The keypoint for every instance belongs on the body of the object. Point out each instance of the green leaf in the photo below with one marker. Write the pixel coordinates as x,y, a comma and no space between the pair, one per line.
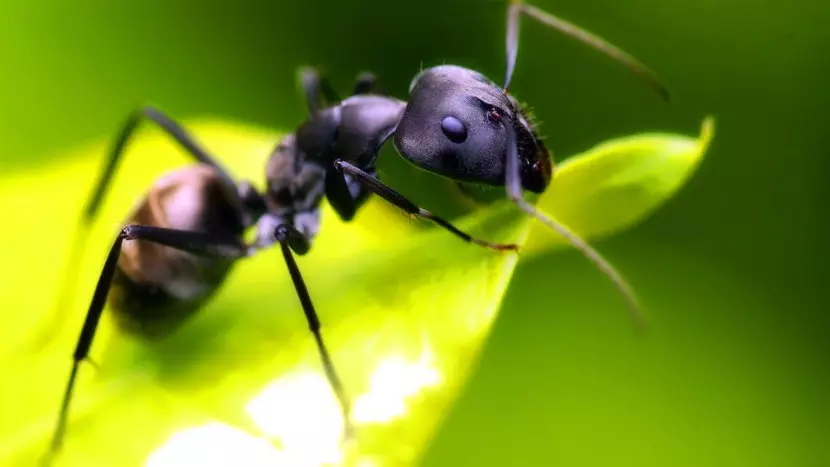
405,312
618,183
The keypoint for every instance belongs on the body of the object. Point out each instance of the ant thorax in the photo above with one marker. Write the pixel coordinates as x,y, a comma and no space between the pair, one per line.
295,188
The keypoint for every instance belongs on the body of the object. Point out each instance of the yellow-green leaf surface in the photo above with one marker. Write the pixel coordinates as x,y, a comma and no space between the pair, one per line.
616,184
405,311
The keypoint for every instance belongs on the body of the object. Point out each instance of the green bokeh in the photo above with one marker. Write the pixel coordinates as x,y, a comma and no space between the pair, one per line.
732,372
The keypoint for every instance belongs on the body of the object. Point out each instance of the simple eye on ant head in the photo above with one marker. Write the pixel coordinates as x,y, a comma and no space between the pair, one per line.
455,123
454,129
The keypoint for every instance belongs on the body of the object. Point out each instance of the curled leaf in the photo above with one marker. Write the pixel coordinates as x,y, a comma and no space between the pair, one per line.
618,183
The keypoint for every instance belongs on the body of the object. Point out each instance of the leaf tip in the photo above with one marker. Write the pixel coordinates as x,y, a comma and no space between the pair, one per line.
697,148
707,132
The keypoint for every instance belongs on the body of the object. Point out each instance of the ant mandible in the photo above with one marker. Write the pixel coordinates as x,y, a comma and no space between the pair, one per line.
456,123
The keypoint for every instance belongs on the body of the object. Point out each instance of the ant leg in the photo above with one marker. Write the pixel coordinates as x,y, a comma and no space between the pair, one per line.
376,186
366,83
344,193
193,242
172,129
513,183
291,239
314,85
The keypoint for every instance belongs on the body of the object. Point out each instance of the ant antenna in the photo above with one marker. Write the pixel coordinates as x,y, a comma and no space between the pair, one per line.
514,191
569,29
627,292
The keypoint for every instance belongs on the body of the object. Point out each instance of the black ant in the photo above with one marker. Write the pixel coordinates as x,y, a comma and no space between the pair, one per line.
456,123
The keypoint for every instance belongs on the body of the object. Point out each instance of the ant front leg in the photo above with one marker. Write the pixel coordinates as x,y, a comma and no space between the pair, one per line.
345,194
193,242
376,186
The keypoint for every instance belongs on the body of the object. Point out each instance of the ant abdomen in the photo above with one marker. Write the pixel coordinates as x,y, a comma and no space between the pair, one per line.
155,287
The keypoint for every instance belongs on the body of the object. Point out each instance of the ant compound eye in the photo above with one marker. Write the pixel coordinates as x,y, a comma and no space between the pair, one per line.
454,129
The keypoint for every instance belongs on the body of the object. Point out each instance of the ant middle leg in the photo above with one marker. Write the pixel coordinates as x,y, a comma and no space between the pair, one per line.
342,168
292,240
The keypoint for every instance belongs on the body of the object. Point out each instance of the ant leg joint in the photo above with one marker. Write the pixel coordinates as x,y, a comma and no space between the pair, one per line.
129,232
288,236
281,233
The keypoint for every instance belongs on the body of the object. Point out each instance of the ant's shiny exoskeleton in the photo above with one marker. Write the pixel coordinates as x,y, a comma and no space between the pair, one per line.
190,226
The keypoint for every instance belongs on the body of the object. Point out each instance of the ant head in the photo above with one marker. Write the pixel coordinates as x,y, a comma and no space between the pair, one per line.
455,125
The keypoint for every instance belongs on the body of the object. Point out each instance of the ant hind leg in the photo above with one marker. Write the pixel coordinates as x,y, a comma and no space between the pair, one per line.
193,242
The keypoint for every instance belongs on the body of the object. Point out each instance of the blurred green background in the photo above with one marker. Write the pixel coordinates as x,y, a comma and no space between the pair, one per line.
735,369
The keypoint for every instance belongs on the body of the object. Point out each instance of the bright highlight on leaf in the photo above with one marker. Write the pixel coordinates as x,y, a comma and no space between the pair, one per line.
392,383
404,309
301,411
217,445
